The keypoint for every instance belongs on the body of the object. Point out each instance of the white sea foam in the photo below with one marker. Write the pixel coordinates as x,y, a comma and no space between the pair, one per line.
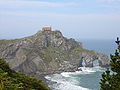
66,74
67,81
85,70
63,83
92,69
69,86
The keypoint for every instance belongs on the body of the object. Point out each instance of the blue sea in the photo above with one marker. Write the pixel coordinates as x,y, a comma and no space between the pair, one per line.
104,46
88,78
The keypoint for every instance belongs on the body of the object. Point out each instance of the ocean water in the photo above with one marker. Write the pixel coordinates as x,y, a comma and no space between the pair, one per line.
103,46
88,78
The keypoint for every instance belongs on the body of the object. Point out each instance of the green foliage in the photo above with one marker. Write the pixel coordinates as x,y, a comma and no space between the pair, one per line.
76,52
6,42
111,78
11,80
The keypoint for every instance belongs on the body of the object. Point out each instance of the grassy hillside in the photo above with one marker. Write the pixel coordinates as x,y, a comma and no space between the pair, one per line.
11,80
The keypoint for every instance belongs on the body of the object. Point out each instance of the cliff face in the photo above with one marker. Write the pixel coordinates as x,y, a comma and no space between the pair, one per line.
47,52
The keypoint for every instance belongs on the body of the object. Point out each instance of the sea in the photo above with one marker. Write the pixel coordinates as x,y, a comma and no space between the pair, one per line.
88,78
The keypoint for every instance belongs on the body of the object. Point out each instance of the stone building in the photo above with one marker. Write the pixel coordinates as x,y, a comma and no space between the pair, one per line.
47,28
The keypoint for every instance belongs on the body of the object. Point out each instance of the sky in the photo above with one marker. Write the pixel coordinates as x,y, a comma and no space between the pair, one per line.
79,19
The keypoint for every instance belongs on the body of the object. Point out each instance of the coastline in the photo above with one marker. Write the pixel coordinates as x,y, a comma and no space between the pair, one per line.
76,79
41,76
46,81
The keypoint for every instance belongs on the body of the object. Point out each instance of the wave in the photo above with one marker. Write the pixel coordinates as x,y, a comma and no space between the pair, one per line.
93,69
63,83
85,70
69,86
69,80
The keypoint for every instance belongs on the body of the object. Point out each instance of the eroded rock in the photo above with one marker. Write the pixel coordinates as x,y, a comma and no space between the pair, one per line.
48,52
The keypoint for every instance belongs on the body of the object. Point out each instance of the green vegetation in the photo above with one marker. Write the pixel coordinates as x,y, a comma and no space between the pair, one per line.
76,51
11,80
111,78
6,42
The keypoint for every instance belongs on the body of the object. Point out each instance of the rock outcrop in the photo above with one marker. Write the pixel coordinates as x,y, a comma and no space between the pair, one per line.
48,52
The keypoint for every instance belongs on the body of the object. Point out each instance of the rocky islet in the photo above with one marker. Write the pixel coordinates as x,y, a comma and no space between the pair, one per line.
48,52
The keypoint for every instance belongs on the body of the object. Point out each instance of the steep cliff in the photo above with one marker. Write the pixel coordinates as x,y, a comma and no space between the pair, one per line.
47,52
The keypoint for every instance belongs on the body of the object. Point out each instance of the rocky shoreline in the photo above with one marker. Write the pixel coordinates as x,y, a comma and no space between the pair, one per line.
57,71
50,83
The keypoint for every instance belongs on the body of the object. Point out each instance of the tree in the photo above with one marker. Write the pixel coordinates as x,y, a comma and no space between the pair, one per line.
111,77
12,80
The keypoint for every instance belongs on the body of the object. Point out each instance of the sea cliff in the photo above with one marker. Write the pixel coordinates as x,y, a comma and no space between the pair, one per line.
48,52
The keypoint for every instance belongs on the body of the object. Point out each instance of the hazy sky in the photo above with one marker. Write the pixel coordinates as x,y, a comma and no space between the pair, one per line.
81,19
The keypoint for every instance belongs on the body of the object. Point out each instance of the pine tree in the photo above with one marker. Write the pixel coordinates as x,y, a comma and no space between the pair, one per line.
12,80
111,78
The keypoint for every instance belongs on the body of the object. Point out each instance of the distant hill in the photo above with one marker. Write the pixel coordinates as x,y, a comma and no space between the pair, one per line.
47,52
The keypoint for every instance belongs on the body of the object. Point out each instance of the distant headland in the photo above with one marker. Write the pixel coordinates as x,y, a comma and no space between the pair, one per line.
48,52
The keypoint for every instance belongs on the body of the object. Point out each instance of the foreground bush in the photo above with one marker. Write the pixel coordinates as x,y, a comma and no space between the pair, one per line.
11,80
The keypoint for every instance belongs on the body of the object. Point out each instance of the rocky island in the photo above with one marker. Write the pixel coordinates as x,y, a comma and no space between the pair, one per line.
48,52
